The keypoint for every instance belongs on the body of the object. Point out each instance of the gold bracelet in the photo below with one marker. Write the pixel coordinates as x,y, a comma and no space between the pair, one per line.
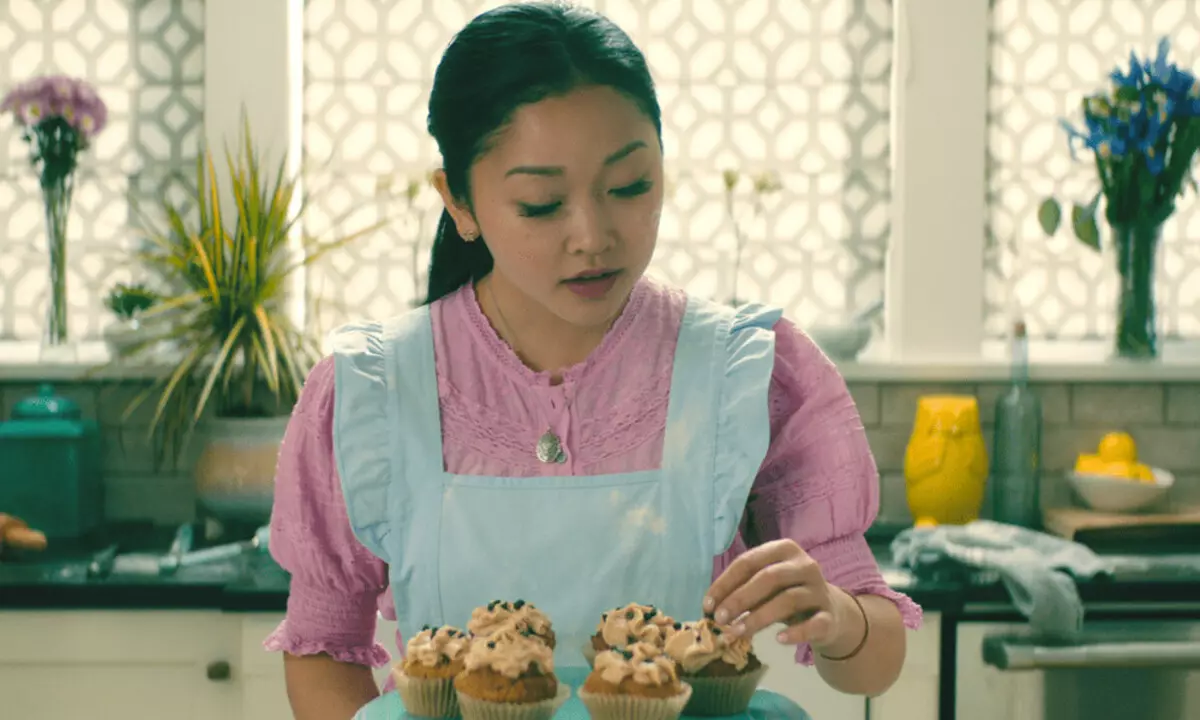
866,634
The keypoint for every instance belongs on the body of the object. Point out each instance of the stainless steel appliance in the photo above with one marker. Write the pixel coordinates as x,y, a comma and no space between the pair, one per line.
1137,657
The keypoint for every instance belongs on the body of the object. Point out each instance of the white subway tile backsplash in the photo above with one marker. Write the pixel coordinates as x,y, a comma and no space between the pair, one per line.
166,499
1056,402
898,403
866,399
1175,448
888,443
1061,445
1117,406
1183,404
1164,419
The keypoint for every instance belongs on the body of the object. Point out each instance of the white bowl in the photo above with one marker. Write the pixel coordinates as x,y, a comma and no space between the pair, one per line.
841,342
1109,494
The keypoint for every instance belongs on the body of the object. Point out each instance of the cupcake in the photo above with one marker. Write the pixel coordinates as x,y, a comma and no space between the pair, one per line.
500,613
509,675
637,683
624,626
722,669
425,679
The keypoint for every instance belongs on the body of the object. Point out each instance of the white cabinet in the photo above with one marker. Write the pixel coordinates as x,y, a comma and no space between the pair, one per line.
118,665
144,665
914,696
135,665
802,683
263,688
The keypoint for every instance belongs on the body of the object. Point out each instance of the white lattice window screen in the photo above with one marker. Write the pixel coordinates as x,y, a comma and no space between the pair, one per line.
1046,55
800,89
146,59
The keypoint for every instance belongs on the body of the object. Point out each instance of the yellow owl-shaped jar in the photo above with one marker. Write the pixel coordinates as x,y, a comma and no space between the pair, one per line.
945,465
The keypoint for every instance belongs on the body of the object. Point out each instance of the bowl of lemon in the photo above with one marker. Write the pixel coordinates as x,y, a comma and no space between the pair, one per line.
1114,480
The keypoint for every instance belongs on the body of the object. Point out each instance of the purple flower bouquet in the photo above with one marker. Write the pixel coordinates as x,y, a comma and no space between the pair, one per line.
59,116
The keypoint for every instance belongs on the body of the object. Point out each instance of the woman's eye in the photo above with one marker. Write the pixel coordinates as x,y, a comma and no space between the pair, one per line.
641,187
534,211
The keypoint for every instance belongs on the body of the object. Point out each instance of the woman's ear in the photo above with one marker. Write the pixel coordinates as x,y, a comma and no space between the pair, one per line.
464,219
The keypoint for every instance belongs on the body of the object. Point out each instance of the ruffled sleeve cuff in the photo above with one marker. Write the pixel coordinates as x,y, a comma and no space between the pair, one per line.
338,626
849,564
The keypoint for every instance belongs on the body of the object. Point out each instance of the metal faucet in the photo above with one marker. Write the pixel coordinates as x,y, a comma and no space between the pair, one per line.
180,555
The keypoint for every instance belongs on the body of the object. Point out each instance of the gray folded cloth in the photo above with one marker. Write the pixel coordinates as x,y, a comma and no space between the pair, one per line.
1038,570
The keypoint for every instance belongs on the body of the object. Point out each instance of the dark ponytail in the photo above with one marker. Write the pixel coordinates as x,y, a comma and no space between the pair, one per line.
505,58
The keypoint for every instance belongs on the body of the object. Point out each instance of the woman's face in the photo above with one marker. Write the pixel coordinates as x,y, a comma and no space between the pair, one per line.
568,198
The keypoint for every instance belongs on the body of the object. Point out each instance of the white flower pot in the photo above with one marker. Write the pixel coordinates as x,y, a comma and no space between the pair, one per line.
235,473
123,334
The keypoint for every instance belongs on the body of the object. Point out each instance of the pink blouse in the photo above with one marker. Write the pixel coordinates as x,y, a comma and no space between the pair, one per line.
818,484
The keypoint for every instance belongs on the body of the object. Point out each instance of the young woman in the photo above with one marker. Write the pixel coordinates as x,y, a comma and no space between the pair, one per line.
556,427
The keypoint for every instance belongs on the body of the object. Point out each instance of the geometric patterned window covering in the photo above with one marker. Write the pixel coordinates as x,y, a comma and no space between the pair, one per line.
146,60
800,89
1045,56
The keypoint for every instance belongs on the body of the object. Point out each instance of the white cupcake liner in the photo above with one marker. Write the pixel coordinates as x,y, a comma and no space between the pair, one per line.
425,697
606,706
720,696
476,709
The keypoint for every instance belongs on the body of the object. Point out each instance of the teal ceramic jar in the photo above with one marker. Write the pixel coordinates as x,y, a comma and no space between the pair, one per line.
50,466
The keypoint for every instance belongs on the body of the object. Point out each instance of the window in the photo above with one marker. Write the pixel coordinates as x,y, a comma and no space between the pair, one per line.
797,89
1045,56
146,60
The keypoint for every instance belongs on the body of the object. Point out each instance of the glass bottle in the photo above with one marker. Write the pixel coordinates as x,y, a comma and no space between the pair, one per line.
1017,450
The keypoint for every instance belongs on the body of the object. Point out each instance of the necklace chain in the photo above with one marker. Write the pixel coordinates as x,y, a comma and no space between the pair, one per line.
549,446
512,342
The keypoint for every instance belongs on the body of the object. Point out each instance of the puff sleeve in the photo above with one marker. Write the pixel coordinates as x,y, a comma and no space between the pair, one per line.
336,582
818,484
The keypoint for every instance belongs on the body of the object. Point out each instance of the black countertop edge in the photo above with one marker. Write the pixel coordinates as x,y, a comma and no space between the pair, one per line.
159,596
260,585
938,596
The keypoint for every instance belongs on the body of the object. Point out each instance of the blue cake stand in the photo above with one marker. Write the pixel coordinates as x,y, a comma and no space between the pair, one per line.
766,705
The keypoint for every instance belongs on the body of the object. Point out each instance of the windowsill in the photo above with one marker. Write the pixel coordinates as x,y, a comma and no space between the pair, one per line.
1049,362
22,362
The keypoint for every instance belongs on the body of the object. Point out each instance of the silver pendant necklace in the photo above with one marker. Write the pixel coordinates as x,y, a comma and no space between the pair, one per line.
549,447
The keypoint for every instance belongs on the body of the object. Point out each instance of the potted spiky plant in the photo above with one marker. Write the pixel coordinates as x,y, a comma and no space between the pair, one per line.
241,359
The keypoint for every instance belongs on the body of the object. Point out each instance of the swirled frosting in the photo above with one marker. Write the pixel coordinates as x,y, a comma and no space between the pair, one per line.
509,652
498,614
436,646
634,623
699,644
644,663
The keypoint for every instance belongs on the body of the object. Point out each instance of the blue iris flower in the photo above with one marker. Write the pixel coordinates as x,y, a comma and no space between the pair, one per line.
1147,102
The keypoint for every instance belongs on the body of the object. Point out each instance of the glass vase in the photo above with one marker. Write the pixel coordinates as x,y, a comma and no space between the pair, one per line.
1137,321
56,199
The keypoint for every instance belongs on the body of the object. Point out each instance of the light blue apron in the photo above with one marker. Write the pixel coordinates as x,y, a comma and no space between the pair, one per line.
575,546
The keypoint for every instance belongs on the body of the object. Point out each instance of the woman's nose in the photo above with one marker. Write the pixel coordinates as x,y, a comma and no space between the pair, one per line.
594,231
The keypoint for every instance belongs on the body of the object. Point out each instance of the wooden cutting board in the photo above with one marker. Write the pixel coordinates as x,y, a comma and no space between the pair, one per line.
1090,528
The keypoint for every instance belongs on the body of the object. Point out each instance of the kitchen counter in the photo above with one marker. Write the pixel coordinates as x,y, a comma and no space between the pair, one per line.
254,582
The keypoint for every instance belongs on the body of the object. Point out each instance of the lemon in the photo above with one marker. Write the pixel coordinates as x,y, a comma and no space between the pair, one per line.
1089,465
1118,447
1122,469
1144,473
